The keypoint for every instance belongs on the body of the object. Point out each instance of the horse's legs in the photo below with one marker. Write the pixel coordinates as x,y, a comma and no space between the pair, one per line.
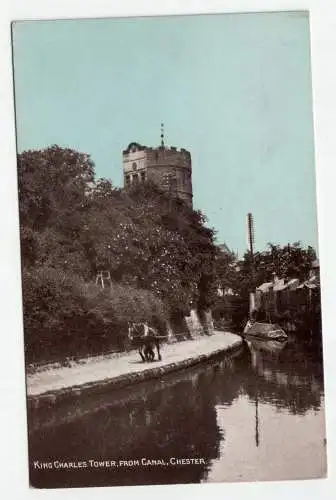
141,353
157,343
148,352
151,355
146,349
145,352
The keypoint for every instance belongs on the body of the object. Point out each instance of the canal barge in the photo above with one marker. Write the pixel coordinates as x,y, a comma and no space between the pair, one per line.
264,331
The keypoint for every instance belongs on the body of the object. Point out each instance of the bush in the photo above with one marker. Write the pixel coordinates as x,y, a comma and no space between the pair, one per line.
64,317
121,304
52,303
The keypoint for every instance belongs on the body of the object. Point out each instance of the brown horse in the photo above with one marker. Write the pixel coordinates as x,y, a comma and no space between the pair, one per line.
146,339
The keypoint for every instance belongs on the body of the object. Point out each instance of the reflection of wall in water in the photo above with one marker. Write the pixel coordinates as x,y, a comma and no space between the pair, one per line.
287,382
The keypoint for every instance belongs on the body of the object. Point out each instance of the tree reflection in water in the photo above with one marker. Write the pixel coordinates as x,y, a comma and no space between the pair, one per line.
285,377
173,417
276,429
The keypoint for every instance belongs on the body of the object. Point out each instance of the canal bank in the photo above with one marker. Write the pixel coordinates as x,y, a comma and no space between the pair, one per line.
227,411
55,385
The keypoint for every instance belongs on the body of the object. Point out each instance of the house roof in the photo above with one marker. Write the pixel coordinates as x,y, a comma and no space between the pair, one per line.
312,282
265,287
279,285
224,248
293,283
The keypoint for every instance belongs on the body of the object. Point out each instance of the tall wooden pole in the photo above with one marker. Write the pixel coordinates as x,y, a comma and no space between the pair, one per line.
250,237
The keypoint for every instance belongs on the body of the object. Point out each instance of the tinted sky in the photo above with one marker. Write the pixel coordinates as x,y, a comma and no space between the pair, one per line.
235,90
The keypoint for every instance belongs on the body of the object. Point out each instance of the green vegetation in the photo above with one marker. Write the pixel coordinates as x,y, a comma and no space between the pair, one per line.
160,254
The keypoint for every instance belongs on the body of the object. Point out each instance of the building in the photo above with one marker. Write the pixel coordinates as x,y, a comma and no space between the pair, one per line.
223,248
168,167
291,302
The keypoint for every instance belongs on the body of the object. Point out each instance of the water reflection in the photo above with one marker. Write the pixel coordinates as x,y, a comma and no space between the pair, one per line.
285,376
276,429
252,416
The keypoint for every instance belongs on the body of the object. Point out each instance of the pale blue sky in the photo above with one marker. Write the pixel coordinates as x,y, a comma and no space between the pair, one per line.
234,89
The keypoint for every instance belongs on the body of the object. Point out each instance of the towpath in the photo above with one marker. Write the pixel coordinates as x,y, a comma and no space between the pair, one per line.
126,368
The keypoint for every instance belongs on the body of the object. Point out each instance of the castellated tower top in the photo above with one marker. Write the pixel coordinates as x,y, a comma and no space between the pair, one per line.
168,167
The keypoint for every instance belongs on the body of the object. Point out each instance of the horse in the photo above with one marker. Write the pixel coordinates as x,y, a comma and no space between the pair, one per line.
145,338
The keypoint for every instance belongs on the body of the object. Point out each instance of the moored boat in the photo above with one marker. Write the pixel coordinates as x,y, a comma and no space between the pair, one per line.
265,331
265,346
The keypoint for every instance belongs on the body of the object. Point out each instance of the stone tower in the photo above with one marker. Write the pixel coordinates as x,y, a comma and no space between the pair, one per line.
169,168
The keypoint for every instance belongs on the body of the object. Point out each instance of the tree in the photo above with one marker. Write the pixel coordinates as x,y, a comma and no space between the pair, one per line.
156,249
289,261
52,185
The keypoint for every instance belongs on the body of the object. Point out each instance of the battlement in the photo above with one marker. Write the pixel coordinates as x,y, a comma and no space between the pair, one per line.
164,156
171,149
164,151
133,147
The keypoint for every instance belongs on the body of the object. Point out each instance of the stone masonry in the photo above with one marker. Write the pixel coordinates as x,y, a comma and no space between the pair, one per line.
168,167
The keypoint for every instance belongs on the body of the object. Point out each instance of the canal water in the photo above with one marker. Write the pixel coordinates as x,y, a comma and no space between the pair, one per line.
256,415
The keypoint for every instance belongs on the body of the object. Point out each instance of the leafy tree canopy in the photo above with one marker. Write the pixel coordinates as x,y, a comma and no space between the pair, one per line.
73,225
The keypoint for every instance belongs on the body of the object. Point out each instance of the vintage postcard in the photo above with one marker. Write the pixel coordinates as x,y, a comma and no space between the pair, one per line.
169,248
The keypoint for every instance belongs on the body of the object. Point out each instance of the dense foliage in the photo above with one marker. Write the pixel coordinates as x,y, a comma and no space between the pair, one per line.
161,256
159,252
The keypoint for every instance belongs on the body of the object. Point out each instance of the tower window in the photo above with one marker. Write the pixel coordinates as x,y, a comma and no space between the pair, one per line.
135,178
170,182
134,166
127,180
143,176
